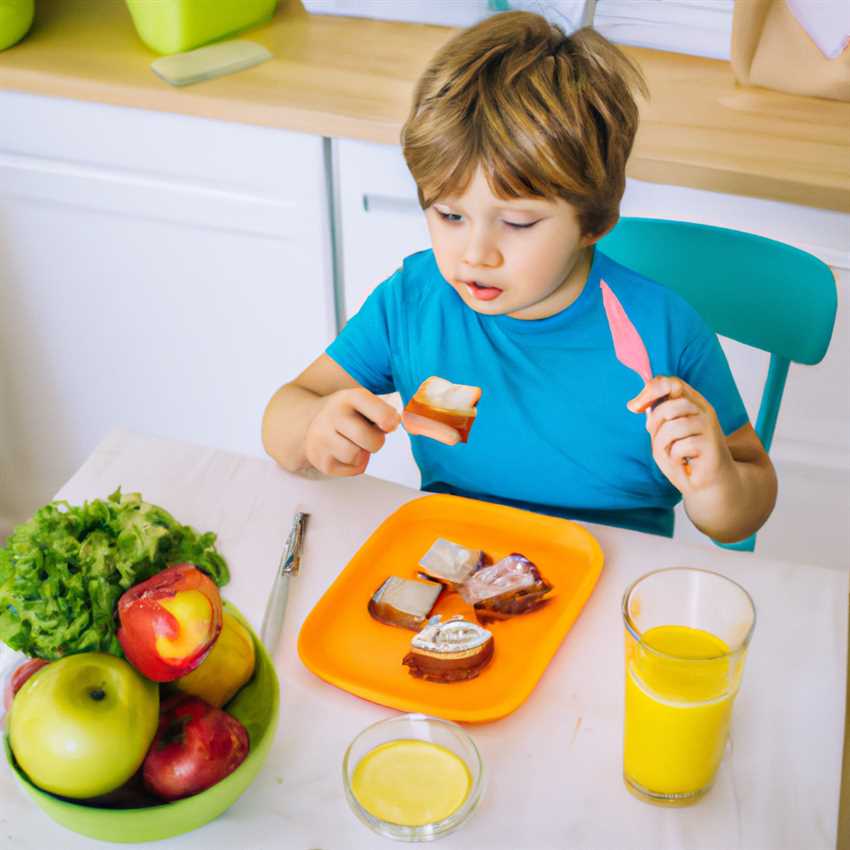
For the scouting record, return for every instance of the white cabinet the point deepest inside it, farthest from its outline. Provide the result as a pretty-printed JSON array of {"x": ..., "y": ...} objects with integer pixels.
[
  {"x": 381, "y": 223},
  {"x": 160, "y": 272}
]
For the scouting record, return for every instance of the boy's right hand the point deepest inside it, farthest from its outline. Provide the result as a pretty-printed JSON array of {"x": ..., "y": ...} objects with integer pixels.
[{"x": 349, "y": 428}]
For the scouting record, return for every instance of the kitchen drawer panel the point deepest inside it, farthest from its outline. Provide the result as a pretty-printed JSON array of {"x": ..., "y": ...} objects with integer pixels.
[
  {"x": 237, "y": 157},
  {"x": 153, "y": 197}
]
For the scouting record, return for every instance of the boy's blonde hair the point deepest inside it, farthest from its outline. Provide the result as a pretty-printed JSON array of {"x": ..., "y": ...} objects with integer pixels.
[{"x": 544, "y": 114}]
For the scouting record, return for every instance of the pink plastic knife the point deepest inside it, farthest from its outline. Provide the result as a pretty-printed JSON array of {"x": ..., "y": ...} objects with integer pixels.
[{"x": 628, "y": 346}]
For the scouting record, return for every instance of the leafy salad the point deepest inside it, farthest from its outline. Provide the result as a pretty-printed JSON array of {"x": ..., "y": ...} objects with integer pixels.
[{"x": 62, "y": 571}]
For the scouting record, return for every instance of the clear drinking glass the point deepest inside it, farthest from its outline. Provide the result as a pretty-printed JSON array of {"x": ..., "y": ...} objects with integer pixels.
[{"x": 687, "y": 632}]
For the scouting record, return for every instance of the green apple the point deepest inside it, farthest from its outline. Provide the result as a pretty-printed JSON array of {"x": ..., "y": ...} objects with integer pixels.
[
  {"x": 15, "y": 20},
  {"x": 82, "y": 727}
]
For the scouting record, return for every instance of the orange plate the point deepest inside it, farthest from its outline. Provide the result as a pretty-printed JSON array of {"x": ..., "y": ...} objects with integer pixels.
[{"x": 342, "y": 644}]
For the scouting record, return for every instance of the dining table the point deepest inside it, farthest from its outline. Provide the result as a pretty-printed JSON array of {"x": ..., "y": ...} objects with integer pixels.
[{"x": 554, "y": 778}]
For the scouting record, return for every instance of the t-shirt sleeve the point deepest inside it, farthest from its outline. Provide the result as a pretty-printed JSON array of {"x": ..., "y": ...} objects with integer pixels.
[
  {"x": 703, "y": 365},
  {"x": 363, "y": 347}
]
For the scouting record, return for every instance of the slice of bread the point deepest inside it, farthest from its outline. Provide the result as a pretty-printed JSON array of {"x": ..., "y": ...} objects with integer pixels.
[
  {"x": 403, "y": 602},
  {"x": 449, "y": 651},
  {"x": 449, "y": 563},
  {"x": 509, "y": 587},
  {"x": 442, "y": 401}
]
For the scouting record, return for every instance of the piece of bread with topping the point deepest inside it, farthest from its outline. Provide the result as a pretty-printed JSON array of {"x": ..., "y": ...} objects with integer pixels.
[
  {"x": 404, "y": 602},
  {"x": 442, "y": 401},
  {"x": 450, "y": 651},
  {"x": 450, "y": 563},
  {"x": 509, "y": 587}
]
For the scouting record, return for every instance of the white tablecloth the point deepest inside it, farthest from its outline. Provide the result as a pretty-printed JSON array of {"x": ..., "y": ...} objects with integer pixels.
[{"x": 554, "y": 765}]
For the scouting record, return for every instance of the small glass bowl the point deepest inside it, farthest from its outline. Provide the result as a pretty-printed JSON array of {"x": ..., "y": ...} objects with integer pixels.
[{"x": 417, "y": 727}]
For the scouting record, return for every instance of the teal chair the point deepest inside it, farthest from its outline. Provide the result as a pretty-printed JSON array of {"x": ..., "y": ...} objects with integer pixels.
[{"x": 755, "y": 290}]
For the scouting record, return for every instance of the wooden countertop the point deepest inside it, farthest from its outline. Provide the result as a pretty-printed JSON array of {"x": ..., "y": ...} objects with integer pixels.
[{"x": 352, "y": 78}]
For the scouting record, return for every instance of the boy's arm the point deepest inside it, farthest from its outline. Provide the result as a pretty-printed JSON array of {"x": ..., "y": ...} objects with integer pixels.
[
  {"x": 742, "y": 498},
  {"x": 728, "y": 484},
  {"x": 326, "y": 420}
]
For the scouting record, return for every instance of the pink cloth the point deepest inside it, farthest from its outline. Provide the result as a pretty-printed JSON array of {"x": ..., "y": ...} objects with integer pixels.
[{"x": 628, "y": 346}]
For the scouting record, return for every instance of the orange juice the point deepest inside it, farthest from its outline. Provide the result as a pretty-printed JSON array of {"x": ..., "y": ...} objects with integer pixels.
[
  {"x": 410, "y": 782},
  {"x": 680, "y": 685}
]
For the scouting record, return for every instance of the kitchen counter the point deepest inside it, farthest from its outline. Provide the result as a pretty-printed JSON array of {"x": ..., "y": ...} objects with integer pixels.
[
  {"x": 353, "y": 78},
  {"x": 554, "y": 765}
]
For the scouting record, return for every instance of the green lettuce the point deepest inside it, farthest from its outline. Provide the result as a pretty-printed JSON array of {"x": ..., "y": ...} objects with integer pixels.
[{"x": 62, "y": 571}]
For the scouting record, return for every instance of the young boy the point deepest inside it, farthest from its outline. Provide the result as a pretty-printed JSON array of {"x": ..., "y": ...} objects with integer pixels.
[{"x": 518, "y": 139}]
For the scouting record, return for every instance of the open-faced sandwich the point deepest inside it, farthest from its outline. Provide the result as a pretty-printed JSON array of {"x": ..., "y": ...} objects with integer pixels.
[
  {"x": 404, "y": 602},
  {"x": 441, "y": 401},
  {"x": 508, "y": 587},
  {"x": 449, "y": 651},
  {"x": 449, "y": 563}
]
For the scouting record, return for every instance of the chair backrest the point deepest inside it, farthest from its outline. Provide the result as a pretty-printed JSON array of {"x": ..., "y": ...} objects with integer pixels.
[
  {"x": 751, "y": 289},
  {"x": 755, "y": 290}
]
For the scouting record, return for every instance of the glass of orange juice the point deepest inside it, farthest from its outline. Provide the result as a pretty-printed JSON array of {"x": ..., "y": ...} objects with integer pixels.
[{"x": 687, "y": 633}]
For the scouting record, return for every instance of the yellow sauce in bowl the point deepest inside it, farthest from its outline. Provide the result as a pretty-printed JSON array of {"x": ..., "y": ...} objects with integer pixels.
[{"x": 411, "y": 783}]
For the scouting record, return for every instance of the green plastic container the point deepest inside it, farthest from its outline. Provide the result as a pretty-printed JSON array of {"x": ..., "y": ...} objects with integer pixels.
[
  {"x": 15, "y": 20},
  {"x": 172, "y": 26},
  {"x": 256, "y": 706}
]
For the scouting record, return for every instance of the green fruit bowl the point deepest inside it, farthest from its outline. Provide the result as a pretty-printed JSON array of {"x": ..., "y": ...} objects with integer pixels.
[{"x": 256, "y": 706}]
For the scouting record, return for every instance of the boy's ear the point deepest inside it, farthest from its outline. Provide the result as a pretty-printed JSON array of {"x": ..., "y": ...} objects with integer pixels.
[{"x": 589, "y": 239}]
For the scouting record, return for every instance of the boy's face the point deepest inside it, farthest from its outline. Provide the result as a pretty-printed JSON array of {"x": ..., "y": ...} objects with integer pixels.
[{"x": 525, "y": 258}]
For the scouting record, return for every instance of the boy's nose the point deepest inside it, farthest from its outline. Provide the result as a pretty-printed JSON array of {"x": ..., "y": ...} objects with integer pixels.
[{"x": 481, "y": 251}]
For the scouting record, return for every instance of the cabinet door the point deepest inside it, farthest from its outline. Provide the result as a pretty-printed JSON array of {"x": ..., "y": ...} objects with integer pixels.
[
  {"x": 382, "y": 222},
  {"x": 158, "y": 272}
]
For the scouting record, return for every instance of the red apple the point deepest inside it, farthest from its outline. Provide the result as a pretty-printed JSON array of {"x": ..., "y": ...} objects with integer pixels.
[
  {"x": 195, "y": 746},
  {"x": 170, "y": 622},
  {"x": 17, "y": 679}
]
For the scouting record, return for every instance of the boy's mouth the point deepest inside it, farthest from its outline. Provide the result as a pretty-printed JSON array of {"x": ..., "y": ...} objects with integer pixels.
[{"x": 482, "y": 293}]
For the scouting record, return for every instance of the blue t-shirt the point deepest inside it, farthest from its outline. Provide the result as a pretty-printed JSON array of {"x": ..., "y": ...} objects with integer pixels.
[{"x": 553, "y": 433}]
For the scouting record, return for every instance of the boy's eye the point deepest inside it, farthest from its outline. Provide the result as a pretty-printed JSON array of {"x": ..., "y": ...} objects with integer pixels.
[
  {"x": 449, "y": 216},
  {"x": 517, "y": 226}
]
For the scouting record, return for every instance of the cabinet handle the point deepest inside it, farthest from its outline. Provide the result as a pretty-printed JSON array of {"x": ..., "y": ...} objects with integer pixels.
[{"x": 390, "y": 204}]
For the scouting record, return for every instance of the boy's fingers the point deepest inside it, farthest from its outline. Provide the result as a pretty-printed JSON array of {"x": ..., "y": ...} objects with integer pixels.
[
  {"x": 668, "y": 410},
  {"x": 344, "y": 452},
  {"x": 683, "y": 451},
  {"x": 345, "y": 470},
  {"x": 376, "y": 410},
  {"x": 654, "y": 391},
  {"x": 422, "y": 426},
  {"x": 329, "y": 465},
  {"x": 361, "y": 432},
  {"x": 682, "y": 428}
]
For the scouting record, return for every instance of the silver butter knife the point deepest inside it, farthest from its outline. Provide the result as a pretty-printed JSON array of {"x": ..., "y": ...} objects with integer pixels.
[{"x": 290, "y": 563}]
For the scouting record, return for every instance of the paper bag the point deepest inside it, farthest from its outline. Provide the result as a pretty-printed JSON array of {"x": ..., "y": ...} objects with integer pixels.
[{"x": 797, "y": 46}]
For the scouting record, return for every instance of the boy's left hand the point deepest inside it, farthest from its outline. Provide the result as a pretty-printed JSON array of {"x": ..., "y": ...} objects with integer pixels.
[{"x": 683, "y": 425}]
